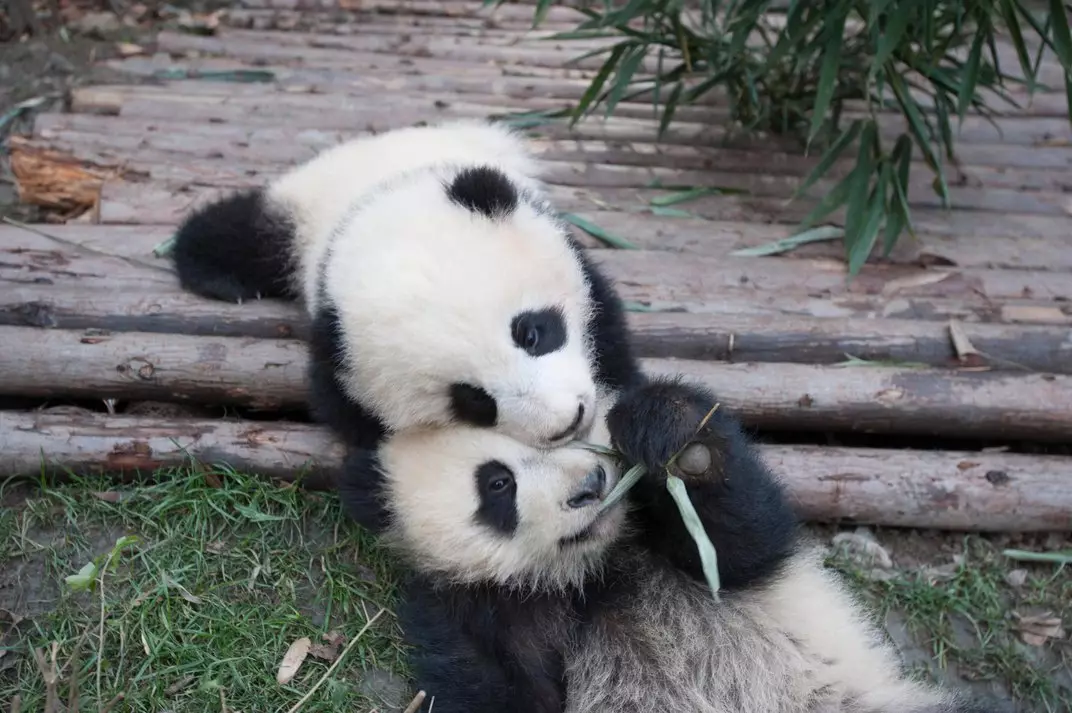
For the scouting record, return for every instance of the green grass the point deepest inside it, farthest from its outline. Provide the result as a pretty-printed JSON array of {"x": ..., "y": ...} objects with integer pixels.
[
  {"x": 201, "y": 610},
  {"x": 967, "y": 621}
]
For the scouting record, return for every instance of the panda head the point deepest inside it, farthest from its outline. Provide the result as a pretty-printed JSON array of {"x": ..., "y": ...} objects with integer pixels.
[
  {"x": 469, "y": 505},
  {"x": 459, "y": 298}
]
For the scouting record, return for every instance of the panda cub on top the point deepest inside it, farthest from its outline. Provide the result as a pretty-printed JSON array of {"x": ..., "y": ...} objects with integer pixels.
[
  {"x": 524, "y": 596},
  {"x": 441, "y": 286}
]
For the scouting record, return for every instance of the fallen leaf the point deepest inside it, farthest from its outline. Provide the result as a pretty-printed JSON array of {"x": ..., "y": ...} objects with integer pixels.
[
  {"x": 215, "y": 547},
  {"x": 293, "y": 660},
  {"x": 109, "y": 497},
  {"x": 966, "y": 465},
  {"x": 863, "y": 549},
  {"x": 213, "y": 480},
  {"x": 129, "y": 49},
  {"x": 326, "y": 652},
  {"x": 1016, "y": 578},
  {"x": 334, "y": 638},
  {"x": 1034, "y": 314},
  {"x": 928, "y": 277},
  {"x": 965, "y": 350},
  {"x": 941, "y": 573},
  {"x": 183, "y": 592},
  {"x": 1036, "y": 630}
]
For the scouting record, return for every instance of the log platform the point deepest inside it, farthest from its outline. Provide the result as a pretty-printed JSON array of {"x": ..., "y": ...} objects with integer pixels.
[{"x": 958, "y": 345}]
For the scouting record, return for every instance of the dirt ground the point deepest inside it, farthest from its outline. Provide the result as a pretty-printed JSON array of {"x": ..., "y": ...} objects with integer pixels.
[{"x": 943, "y": 597}]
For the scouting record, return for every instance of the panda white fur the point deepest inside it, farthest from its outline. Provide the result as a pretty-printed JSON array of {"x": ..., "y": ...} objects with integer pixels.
[
  {"x": 524, "y": 598},
  {"x": 441, "y": 286}
]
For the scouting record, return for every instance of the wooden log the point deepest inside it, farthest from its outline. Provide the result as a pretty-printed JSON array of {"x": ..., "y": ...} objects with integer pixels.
[
  {"x": 34, "y": 268},
  {"x": 270, "y": 374},
  {"x": 740, "y": 333},
  {"x": 944, "y": 490},
  {"x": 124, "y": 202}
]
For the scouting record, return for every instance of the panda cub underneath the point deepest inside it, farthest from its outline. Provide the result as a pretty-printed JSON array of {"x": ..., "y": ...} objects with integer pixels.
[{"x": 524, "y": 596}]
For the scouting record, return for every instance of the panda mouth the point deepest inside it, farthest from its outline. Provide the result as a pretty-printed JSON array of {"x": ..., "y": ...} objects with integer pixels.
[{"x": 583, "y": 535}]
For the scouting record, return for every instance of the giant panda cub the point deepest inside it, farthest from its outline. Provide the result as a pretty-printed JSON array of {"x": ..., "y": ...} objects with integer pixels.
[
  {"x": 441, "y": 286},
  {"x": 525, "y": 596}
]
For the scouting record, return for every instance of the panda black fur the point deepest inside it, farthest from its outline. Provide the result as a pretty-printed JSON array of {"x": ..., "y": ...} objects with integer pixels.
[
  {"x": 440, "y": 285},
  {"x": 522, "y": 598}
]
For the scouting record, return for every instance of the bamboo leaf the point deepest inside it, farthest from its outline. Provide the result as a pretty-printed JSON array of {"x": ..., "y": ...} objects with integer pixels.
[
  {"x": 971, "y": 75},
  {"x": 671, "y": 107},
  {"x": 865, "y": 241},
  {"x": 828, "y": 72},
  {"x": 897, "y": 215},
  {"x": 541, "y": 12},
  {"x": 891, "y": 37},
  {"x": 830, "y": 202},
  {"x": 625, "y": 73},
  {"x": 596, "y": 232},
  {"x": 919, "y": 127},
  {"x": 597, "y": 83},
  {"x": 631, "y": 478},
  {"x": 1062, "y": 38},
  {"x": 778, "y": 247},
  {"x": 682, "y": 196},
  {"x": 708, "y": 557},
  {"x": 832, "y": 154},
  {"x": 857, "y": 204}
]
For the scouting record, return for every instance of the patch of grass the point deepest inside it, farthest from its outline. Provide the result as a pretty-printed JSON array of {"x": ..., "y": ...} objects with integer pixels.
[
  {"x": 228, "y": 570},
  {"x": 967, "y": 618}
]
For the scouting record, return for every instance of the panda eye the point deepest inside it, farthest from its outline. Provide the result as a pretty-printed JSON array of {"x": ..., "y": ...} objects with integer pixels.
[
  {"x": 500, "y": 484},
  {"x": 531, "y": 339},
  {"x": 539, "y": 332}
]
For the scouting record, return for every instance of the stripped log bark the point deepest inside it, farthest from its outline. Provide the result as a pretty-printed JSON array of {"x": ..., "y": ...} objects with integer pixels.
[
  {"x": 740, "y": 334},
  {"x": 270, "y": 374},
  {"x": 944, "y": 490}
]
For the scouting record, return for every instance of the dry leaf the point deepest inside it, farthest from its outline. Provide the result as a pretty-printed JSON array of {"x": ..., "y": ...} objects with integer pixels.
[
  {"x": 966, "y": 465},
  {"x": 215, "y": 547},
  {"x": 292, "y": 660},
  {"x": 1036, "y": 630},
  {"x": 863, "y": 548},
  {"x": 962, "y": 345},
  {"x": 326, "y": 652},
  {"x": 928, "y": 277},
  {"x": 334, "y": 638},
  {"x": 1034, "y": 314},
  {"x": 183, "y": 592},
  {"x": 129, "y": 49},
  {"x": 109, "y": 497},
  {"x": 1016, "y": 578},
  {"x": 213, "y": 480}
]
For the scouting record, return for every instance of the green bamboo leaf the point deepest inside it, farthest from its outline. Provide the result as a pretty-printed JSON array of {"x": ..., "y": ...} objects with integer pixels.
[
  {"x": 856, "y": 208},
  {"x": 830, "y": 202},
  {"x": 824, "y": 93},
  {"x": 897, "y": 217},
  {"x": 670, "y": 212},
  {"x": 671, "y": 107},
  {"x": 597, "y": 83},
  {"x": 919, "y": 127},
  {"x": 777, "y": 247},
  {"x": 542, "y": 8},
  {"x": 630, "y": 63},
  {"x": 708, "y": 557},
  {"x": 832, "y": 154},
  {"x": 631, "y": 478},
  {"x": 891, "y": 36},
  {"x": 971, "y": 75},
  {"x": 876, "y": 209},
  {"x": 682, "y": 196},
  {"x": 596, "y": 232},
  {"x": 1062, "y": 38}
]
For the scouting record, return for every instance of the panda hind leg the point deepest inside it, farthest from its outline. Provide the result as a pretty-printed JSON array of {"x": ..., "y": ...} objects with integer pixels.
[{"x": 235, "y": 249}]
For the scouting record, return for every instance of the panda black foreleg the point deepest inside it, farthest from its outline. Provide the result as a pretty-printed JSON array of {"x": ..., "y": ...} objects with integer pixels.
[
  {"x": 473, "y": 650},
  {"x": 741, "y": 505},
  {"x": 235, "y": 249}
]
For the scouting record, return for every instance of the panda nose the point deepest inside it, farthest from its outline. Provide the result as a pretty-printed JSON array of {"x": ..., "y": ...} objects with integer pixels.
[{"x": 591, "y": 489}]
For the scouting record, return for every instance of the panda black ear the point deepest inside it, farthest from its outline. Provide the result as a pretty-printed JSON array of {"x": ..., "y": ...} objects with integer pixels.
[
  {"x": 359, "y": 485},
  {"x": 484, "y": 190}
]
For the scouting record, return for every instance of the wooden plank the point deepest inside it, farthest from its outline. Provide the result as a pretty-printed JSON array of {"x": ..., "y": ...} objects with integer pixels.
[
  {"x": 949, "y": 490},
  {"x": 270, "y": 374}
]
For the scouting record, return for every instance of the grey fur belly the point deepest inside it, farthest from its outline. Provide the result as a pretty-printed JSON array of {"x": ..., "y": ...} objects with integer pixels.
[{"x": 673, "y": 649}]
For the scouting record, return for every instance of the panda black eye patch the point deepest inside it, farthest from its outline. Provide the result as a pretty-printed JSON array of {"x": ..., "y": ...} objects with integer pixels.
[
  {"x": 539, "y": 332},
  {"x": 497, "y": 489}
]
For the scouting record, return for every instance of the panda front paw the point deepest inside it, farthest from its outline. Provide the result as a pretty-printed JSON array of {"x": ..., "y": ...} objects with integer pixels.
[{"x": 668, "y": 425}]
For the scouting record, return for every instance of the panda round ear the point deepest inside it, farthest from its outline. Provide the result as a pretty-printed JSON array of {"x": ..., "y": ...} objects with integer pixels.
[{"x": 484, "y": 190}]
